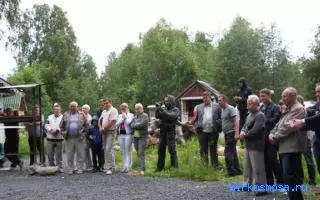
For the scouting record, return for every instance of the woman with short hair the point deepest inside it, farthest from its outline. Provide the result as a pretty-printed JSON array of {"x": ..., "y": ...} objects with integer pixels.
[{"x": 124, "y": 133}]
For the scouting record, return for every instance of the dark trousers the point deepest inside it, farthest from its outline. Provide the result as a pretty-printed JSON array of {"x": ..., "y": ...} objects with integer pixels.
[
  {"x": 230, "y": 154},
  {"x": 243, "y": 116},
  {"x": 167, "y": 138},
  {"x": 97, "y": 151},
  {"x": 292, "y": 173},
  {"x": 208, "y": 141},
  {"x": 33, "y": 148},
  {"x": 11, "y": 149},
  {"x": 316, "y": 151},
  {"x": 272, "y": 164},
  {"x": 310, "y": 164}
]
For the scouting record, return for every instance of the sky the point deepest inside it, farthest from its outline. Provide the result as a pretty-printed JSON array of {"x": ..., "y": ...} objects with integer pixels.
[{"x": 103, "y": 26}]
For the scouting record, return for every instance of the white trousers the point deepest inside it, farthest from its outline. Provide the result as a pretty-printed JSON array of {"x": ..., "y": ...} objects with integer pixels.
[{"x": 125, "y": 142}]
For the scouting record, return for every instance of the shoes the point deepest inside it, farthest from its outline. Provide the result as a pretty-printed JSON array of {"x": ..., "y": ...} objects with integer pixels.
[
  {"x": 312, "y": 183},
  {"x": 88, "y": 169},
  {"x": 109, "y": 172},
  {"x": 61, "y": 170},
  {"x": 80, "y": 171},
  {"x": 70, "y": 172},
  {"x": 125, "y": 170},
  {"x": 21, "y": 164}
]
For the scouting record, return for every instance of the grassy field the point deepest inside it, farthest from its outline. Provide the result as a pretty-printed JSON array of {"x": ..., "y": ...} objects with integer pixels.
[{"x": 190, "y": 167}]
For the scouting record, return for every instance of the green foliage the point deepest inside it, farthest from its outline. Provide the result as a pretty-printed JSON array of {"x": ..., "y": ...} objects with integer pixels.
[{"x": 9, "y": 11}]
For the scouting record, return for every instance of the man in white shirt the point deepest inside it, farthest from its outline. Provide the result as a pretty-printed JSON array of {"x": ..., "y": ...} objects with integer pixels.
[
  {"x": 108, "y": 130},
  {"x": 54, "y": 137}
]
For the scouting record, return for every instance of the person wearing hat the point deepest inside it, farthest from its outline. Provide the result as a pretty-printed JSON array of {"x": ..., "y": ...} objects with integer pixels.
[{"x": 95, "y": 140}]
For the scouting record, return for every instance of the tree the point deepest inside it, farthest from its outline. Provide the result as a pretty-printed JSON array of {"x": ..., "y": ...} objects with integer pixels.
[
  {"x": 239, "y": 54},
  {"x": 9, "y": 11},
  {"x": 167, "y": 64},
  {"x": 32, "y": 75}
]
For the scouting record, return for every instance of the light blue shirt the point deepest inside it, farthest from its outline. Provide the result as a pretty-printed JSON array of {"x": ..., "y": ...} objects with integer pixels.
[{"x": 73, "y": 125}]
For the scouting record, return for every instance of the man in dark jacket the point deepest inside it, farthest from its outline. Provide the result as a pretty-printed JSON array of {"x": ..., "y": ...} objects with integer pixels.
[
  {"x": 208, "y": 126},
  {"x": 168, "y": 119},
  {"x": 272, "y": 114},
  {"x": 241, "y": 100}
]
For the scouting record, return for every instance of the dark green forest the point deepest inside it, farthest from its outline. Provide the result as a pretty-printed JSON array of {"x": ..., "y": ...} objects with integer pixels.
[{"x": 165, "y": 60}]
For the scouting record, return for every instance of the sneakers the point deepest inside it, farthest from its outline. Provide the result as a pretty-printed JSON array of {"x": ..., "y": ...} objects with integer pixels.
[
  {"x": 61, "y": 170},
  {"x": 88, "y": 169},
  {"x": 125, "y": 170},
  {"x": 70, "y": 172},
  {"x": 80, "y": 171},
  {"x": 109, "y": 172}
]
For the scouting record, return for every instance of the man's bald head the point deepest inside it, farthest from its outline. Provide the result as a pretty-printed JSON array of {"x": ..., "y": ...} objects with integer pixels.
[{"x": 289, "y": 96}]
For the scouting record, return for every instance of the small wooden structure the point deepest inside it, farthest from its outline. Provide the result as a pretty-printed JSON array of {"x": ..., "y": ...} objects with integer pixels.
[{"x": 192, "y": 96}]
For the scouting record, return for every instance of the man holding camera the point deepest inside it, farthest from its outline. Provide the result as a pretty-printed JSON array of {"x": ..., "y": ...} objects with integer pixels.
[{"x": 168, "y": 117}]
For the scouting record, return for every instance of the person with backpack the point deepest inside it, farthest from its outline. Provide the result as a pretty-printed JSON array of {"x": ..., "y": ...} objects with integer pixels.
[{"x": 95, "y": 140}]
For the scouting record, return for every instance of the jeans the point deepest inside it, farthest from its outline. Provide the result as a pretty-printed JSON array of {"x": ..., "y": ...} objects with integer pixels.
[
  {"x": 11, "y": 149},
  {"x": 55, "y": 150},
  {"x": 97, "y": 151},
  {"x": 140, "y": 144},
  {"x": 125, "y": 142},
  {"x": 230, "y": 154},
  {"x": 272, "y": 164},
  {"x": 310, "y": 163},
  {"x": 316, "y": 151},
  {"x": 208, "y": 141},
  {"x": 167, "y": 138},
  {"x": 292, "y": 173}
]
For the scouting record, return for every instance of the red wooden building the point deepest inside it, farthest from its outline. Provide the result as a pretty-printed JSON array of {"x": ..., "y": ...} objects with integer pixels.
[{"x": 192, "y": 96}]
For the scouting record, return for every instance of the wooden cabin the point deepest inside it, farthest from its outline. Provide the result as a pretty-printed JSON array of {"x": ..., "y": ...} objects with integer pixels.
[{"x": 192, "y": 96}]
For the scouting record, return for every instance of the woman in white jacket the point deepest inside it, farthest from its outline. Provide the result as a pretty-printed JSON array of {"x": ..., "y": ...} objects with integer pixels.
[{"x": 124, "y": 132}]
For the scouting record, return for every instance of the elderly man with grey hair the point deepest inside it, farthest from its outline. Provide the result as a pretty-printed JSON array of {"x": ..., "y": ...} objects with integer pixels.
[
  {"x": 74, "y": 127},
  {"x": 140, "y": 134},
  {"x": 292, "y": 142},
  {"x": 252, "y": 133}
]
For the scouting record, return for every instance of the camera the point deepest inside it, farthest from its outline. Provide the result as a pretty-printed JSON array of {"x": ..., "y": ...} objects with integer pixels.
[{"x": 159, "y": 104}]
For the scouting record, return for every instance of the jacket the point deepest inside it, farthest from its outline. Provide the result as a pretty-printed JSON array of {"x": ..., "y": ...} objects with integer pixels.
[
  {"x": 243, "y": 92},
  {"x": 311, "y": 122},
  {"x": 272, "y": 113},
  {"x": 254, "y": 129},
  {"x": 53, "y": 128},
  {"x": 216, "y": 117},
  {"x": 140, "y": 123},
  {"x": 127, "y": 123},
  {"x": 83, "y": 125},
  {"x": 290, "y": 140},
  {"x": 95, "y": 136}
]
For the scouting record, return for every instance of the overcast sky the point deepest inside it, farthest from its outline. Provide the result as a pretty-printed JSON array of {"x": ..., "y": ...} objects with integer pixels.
[{"x": 103, "y": 26}]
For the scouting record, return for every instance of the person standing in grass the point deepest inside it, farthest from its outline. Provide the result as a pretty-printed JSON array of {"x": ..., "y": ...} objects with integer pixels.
[
  {"x": 108, "y": 129},
  {"x": 230, "y": 128},
  {"x": 253, "y": 133},
  {"x": 272, "y": 114},
  {"x": 140, "y": 134},
  {"x": 124, "y": 133},
  {"x": 208, "y": 127}
]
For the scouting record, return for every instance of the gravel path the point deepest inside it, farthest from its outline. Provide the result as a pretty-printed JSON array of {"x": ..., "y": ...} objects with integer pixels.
[{"x": 18, "y": 185}]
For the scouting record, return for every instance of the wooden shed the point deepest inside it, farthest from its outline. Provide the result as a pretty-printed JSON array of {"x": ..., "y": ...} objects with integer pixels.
[{"x": 192, "y": 96}]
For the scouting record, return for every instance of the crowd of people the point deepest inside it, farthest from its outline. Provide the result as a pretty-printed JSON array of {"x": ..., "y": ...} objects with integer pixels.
[{"x": 275, "y": 136}]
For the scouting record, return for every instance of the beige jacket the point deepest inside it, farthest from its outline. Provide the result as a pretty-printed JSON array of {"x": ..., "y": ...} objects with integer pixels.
[{"x": 290, "y": 140}]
